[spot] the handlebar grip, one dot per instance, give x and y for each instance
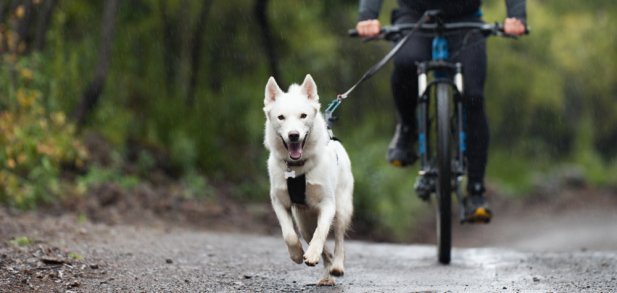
(352, 32)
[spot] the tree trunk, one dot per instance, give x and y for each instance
(43, 24)
(93, 91)
(196, 48)
(23, 27)
(170, 45)
(260, 10)
(3, 7)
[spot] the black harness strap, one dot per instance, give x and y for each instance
(296, 186)
(297, 189)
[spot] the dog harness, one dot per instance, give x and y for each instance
(296, 185)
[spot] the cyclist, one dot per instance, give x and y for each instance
(405, 88)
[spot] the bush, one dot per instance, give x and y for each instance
(36, 142)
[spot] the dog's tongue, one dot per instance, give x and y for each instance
(295, 150)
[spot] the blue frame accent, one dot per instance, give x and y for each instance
(440, 53)
(440, 49)
(422, 144)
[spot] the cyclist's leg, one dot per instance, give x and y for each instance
(474, 61)
(474, 72)
(405, 92)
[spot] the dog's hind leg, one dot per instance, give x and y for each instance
(338, 267)
(341, 223)
(326, 279)
(307, 223)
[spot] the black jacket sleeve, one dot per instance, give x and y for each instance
(517, 9)
(369, 9)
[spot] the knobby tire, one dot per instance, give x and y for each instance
(444, 180)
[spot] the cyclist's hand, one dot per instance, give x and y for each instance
(513, 26)
(368, 28)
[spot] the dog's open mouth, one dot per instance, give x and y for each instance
(295, 150)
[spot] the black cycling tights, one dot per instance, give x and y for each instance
(473, 57)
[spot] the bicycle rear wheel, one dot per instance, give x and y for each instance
(444, 180)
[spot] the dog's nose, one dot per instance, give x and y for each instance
(294, 136)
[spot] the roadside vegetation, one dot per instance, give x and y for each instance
(151, 92)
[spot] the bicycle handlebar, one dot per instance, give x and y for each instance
(391, 32)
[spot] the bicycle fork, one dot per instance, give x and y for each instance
(459, 162)
(426, 185)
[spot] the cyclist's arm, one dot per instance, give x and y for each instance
(369, 9)
(517, 17)
(517, 9)
(368, 24)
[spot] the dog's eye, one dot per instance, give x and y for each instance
(281, 117)
(302, 116)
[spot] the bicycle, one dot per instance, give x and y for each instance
(441, 171)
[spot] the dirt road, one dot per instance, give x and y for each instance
(569, 245)
(66, 257)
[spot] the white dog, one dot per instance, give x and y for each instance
(300, 146)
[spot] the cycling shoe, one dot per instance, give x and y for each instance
(477, 209)
(399, 151)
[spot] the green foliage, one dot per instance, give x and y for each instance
(36, 140)
(74, 256)
(196, 186)
(383, 196)
(549, 96)
(21, 241)
(98, 175)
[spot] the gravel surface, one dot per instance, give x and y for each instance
(566, 245)
(134, 259)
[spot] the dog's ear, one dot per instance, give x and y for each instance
(310, 88)
(272, 91)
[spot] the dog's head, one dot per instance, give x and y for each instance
(291, 114)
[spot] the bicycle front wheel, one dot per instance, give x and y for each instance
(444, 181)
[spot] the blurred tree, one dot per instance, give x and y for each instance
(93, 91)
(188, 79)
(42, 25)
(260, 10)
(197, 48)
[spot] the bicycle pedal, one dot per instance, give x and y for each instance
(480, 216)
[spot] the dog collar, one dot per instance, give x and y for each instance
(298, 163)
(289, 173)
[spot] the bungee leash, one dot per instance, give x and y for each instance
(371, 71)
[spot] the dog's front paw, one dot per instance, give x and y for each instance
(296, 252)
(311, 259)
(337, 271)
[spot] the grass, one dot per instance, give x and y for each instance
(21, 241)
